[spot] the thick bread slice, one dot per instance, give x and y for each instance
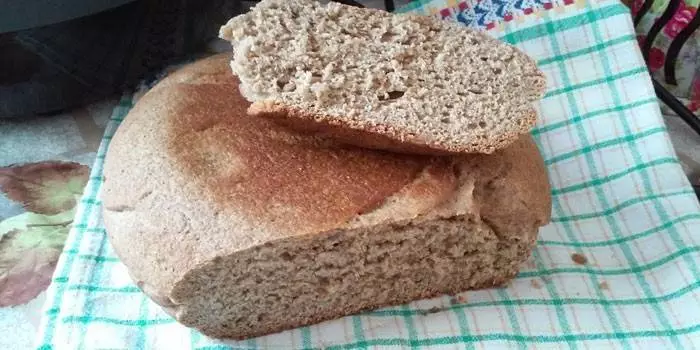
(246, 228)
(404, 83)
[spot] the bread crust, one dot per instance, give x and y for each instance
(381, 137)
(193, 178)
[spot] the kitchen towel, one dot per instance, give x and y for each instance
(616, 268)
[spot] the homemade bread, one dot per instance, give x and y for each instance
(405, 83)
(239, 227)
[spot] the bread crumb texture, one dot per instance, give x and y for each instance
(413, 78)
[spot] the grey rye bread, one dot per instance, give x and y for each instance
(405, 83)
(240, 227)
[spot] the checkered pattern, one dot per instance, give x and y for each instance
(619, 198)
(482, 14)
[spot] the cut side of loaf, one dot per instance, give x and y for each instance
(246, 228)
(307, 280)
(399, 82)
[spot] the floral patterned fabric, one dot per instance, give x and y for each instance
(687, 66)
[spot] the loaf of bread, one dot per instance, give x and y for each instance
(405, 83)
(240, 227)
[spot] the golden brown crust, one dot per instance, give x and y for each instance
(260, 170)
(513, 189)
(381, 137)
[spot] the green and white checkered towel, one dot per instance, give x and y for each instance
(620, 200)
